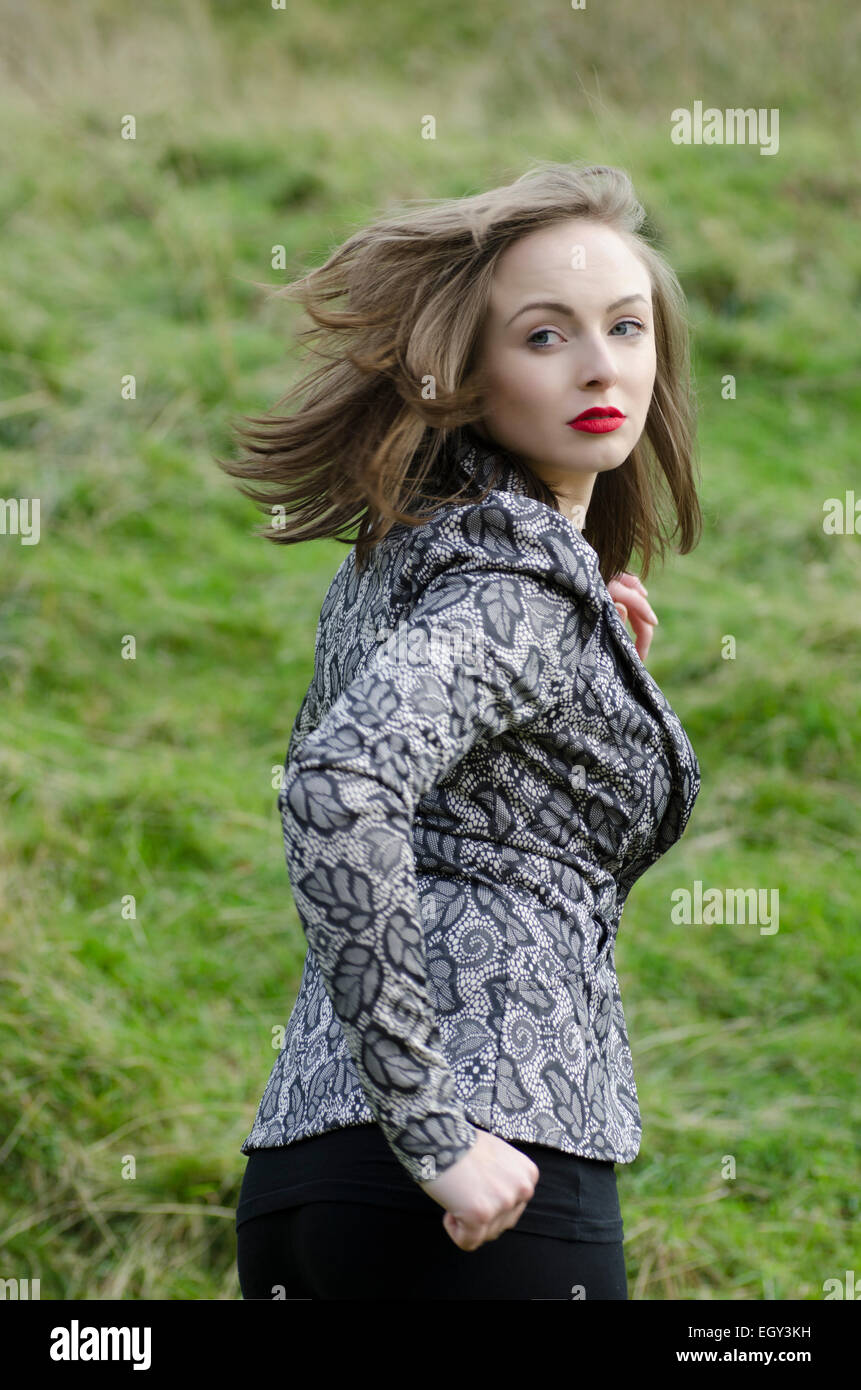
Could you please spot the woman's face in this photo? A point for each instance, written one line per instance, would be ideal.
(581, 347)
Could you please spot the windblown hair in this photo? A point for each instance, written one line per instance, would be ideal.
(400, 375)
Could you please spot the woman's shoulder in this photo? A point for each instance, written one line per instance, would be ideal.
(504, 532)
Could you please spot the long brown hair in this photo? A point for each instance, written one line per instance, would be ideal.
(399, 375)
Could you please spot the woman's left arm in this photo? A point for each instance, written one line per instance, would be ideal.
(629, 596)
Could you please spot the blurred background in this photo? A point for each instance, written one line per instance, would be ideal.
(150, 941)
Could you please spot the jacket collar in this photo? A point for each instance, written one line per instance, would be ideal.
(476, 460)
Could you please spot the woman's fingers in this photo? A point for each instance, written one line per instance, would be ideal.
(457, 1232)
(643, 627)
(643, 632)
(633, 608)
(632, 594)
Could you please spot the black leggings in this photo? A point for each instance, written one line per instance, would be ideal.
(350, 1250)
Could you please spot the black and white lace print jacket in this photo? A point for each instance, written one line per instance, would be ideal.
(480, 770)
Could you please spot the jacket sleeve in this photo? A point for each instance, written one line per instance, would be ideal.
(481, 651)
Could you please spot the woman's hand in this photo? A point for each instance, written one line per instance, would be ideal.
(628, 595)
(485, 1192)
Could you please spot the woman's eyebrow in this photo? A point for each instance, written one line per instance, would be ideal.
(560, 308)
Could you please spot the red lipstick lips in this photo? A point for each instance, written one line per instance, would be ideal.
(598, 419)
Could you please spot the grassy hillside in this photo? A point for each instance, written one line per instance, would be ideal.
(148, 1038)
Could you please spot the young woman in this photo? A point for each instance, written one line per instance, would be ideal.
(481, 767)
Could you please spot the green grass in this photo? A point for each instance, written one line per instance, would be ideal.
(147, 1038)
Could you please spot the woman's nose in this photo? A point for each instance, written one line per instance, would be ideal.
(596, 365)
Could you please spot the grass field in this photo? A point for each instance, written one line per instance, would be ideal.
(144, 1042)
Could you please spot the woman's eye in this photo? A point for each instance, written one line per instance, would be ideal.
(538, 333)
(635, 322)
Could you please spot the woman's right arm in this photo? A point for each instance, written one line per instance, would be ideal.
(478, 654)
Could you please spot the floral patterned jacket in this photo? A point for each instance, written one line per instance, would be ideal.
(480, 770)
